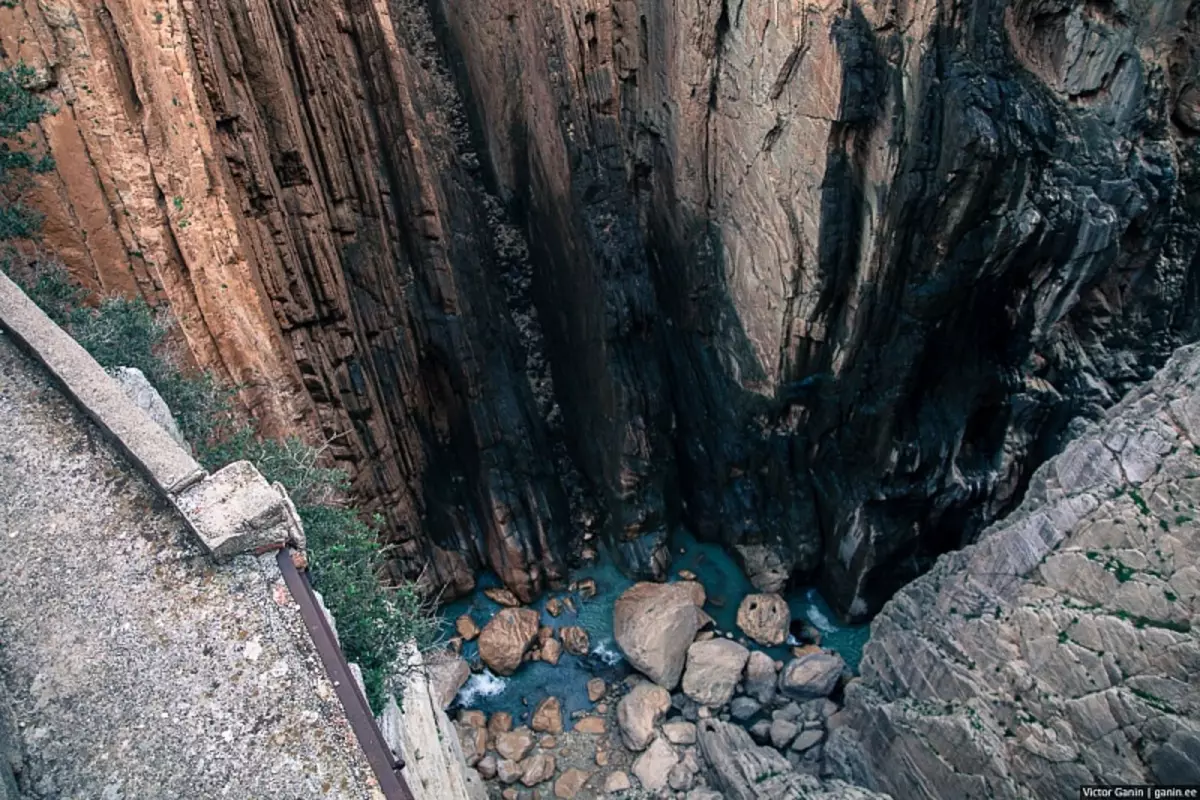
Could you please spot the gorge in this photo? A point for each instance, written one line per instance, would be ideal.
(566, 284)
(825, 280)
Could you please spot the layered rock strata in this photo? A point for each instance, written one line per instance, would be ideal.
(825, 280)
(1061, 649)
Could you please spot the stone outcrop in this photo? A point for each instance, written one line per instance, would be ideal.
(1062, 648)
(655, 623)
(825, 281)
(745, 771)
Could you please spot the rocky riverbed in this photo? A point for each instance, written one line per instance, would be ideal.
(648, 689)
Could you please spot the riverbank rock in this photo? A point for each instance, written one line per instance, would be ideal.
(765, 618)
(575, 640)
(617, 782)
(743, 770)
(812, 675)
(515, 745)
(547, 717)
(638, 713)
(506, 638)
(654, 623)
(680, 732)
(714, 668)
(498, 723)
(447, 674)
(570, 783)
(538, 768)
(653, 767)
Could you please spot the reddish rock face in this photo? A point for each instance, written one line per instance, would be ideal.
(823, 279)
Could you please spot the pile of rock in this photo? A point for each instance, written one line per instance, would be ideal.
(696, 680)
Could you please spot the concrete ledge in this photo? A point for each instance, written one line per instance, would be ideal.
(169, 467)
(233, 511)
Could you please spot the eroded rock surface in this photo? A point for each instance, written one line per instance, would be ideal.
(1062, 648)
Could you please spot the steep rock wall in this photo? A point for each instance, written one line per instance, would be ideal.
(286, 177)
(1061, 649)
(832, 277)
(826, 277)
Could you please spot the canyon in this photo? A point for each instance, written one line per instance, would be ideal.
(822, 282)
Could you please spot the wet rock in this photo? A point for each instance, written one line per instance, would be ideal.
(639, 711)
(466, 627)
(472, 717)
(538, 768)
(500, 722)
(547, 717)
(713, 670)
(617, 782)
(782, 733)
(504, 597)
(596, 688)
(767, 568)
(654, 623)
(765, 618)
(679, 732)
(570, 783)
(587, 588)
(812, 675)
(574, 639)
(506, 639)
(551, 651)
(761, 677)
(652, 768)
(554, 606)
(515, 745)
(743, 708)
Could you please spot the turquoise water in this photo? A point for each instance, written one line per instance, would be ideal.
(723, 581)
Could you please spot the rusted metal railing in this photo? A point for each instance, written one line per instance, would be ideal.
(385, 765)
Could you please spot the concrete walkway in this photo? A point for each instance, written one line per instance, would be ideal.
(136, 669)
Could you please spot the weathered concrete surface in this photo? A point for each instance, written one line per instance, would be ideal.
(1062, 649)
(136, 668)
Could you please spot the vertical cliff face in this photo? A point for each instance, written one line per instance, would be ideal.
(825, 277)
(834, 277)
(287, 178)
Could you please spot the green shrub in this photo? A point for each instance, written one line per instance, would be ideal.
(19, 108)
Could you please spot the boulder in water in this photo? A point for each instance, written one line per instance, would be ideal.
(498, 594)
(765, 618)
(506, 638)
(547, 717)
(466, 627)
(574, 639)
(654, 623)
(767, 568)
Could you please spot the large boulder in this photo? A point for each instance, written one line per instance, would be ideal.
(638, 713)
(506, 638)
(765, 618)
(810, 676)
(547, 717)
(714, 668)
(653, 624)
